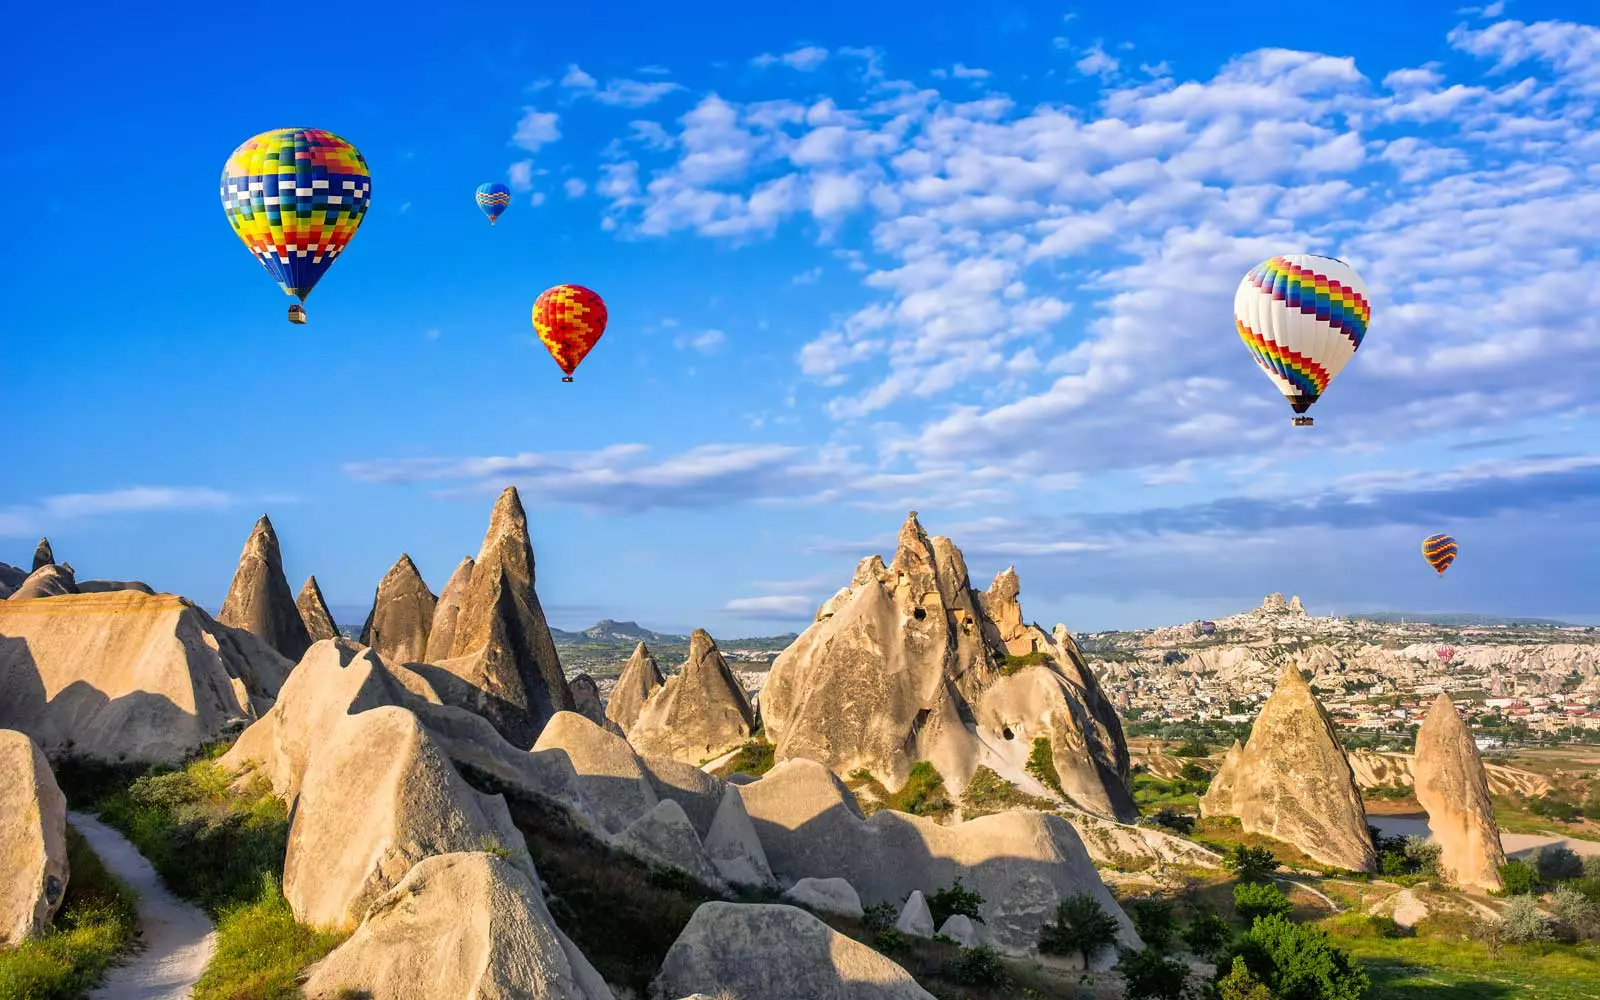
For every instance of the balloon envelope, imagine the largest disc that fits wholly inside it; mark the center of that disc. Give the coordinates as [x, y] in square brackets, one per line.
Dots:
[296, 196]
[569, 320]
[1446, 653]
[493, 199]
[1440, 551]
[1302, 317]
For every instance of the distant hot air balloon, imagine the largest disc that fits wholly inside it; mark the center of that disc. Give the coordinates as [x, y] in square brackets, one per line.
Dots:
[1302, 317]
[570, 320]
[296, 196]
[1446, 653]
[1440, 551]
[1208, 628]
[493, 199]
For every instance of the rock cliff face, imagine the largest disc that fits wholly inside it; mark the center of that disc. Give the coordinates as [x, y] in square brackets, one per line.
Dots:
[129, 676]
[700, 713]
[910, 663]
[33, 840]
[640, 678]
[259, 600]
[1452, 787]
[442, 633]
[502, 649]
[402, 612]
[314, 612]
[49, 580]
[42, 554]
[1292, 782]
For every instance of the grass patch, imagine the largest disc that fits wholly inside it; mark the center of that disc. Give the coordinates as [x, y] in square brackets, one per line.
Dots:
[96, 922]
[1010, 664]
[1221, 833]
[1420, 968]
[1154, 794]
[1042, 765]
[923, 794]
[756, 758]
[988, 793]
[261, 950]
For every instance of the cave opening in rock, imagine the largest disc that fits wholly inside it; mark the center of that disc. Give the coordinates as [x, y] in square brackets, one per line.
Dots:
[919, 614]
[1007, 733]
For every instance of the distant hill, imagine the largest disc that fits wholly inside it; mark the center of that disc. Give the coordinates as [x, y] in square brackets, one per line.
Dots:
[609, 630]
[1457, 620]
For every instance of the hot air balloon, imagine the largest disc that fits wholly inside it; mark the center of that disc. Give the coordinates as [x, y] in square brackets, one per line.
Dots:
[493, 199]
[1302, 317]
[1208, 628]
[1440, 551]
[1445, 653]
[570, 320]
[296, 196]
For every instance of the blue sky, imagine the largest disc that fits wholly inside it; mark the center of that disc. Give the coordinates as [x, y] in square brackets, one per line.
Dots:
[859, 259]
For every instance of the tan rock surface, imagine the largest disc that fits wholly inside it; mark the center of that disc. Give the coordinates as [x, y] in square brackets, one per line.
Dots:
[1292, 782]
[776, 952]
[640, 678]
[43, 555]
[33, 840]
[402, 612]
[1394, 770]
[442, 633]
[464, 926]
[49, 580]
[586, 696]
[1452, 787]
[125, 675]
[701, 712]
[259, 600]
[314, 612]
[502, 649]
[608, 774]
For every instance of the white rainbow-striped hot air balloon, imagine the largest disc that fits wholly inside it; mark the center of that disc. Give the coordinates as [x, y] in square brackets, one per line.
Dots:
[1302, 317]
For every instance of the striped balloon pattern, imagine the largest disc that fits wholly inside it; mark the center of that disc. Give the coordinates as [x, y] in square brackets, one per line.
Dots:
[1440, 551]
[569, 320]
[493, 199]
[1302, 317]
[296, 196]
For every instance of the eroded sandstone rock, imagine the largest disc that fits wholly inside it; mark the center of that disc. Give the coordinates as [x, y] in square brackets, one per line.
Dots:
[259, 600]
[33, 840]
[1452, 787]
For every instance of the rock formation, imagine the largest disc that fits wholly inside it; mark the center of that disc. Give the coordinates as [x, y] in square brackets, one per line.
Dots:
[1452, 787]
[49, 580]
[1394, 770]
[910, 663]
[586, 696]
[640, 678]
[830, 895]
[915, 918]
[769, 951]
[402, 612]
[314, 612]
[1022, 863]
[442, 633]
[259, 600]
[33, 840]
[109, 586]
[458, 925]
[42, 554]
[12, 576]
[129, 676]
[502, 647]
[700, 713]
[1292, 781]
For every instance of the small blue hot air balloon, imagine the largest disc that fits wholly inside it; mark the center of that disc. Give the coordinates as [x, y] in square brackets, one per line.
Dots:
[493, 199]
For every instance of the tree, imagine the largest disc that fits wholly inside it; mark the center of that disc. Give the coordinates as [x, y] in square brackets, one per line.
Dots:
[1207, 931]
[1254, 900]
[1192, 747]
[1080, 927]
[952, 900]
[1297, 962]
[1577, 913]
[1522, 921]
[1490, 933]
[1150, 975]
[1241, 984]
[1557, 863]
[1250, 864]
[1519, 878]
[1155, 921]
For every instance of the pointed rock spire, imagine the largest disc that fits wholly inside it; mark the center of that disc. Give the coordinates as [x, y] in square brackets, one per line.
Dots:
[1293, 782]
[442, 633]
[700, 713]
[502, 644]
[1451, 785]
[402, 612]
[586, 695]
[640, 678]
[314, 612]
[42, 555]
[259, 600]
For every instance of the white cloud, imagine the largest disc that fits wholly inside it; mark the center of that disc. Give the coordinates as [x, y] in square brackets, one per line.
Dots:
[705, 342]
[807, 277]
[805, 59]
[578, 79]
[961, 72]
[575, 187]
[537, 199]
[619, 92]
[1097, 62]
[51, 511]
[536, 129]
[520, 175]
[772, 606]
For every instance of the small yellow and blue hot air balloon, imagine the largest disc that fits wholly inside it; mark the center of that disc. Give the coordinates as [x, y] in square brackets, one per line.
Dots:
[493, 199]
[1440, 551]
[295, 197]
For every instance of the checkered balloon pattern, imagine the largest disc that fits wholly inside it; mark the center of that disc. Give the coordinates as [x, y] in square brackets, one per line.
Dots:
[569, 320]
[493, 199]
[296, 196]
[1302, 317]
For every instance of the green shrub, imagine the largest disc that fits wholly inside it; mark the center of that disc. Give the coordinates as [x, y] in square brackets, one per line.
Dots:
[1554, 807]
[1577, 913]
[1042, 765]
[1011, 664]
[1521, 922]
[1079, 927]
[1179, 823]
[261, 950]
[1155, 921]
[1254, 900]
[1296, 962]
[987, 793]
[953, 899]
[756, 757]
[1192, 772]
[1250, 864]
[1192, 747]
[1151, 975]
[1591, 863]
[878, 916]
[1241, 984]
[1206, 932]
[980, 966]
[97, 919]
[1557, 863]
[1519, 878]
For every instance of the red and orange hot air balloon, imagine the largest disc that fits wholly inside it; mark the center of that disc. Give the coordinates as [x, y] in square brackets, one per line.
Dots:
[1440, 551]
[570, 320]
